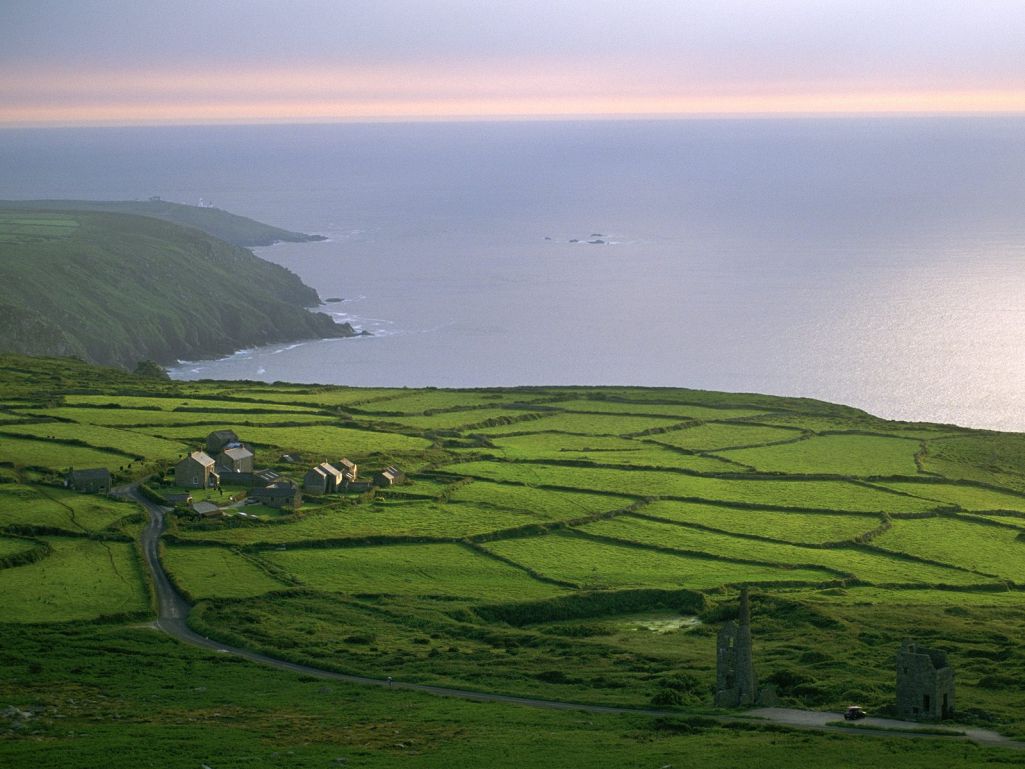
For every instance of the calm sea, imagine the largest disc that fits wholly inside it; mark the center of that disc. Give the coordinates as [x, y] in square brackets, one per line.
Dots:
[878, 263]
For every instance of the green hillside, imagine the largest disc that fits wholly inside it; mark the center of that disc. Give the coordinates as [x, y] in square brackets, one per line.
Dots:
[579, 555]
[118, 288]
[232, 228]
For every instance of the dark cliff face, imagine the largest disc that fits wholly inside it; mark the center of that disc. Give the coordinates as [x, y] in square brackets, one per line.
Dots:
[116, 289]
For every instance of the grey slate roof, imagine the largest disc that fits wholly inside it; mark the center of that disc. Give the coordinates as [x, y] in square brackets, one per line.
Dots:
[90, 474]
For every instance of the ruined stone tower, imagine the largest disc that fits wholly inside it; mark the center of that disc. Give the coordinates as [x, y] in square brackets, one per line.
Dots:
[735, 682]
[925, 684]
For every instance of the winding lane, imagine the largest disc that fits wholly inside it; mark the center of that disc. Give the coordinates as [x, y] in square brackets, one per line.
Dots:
[173, 612]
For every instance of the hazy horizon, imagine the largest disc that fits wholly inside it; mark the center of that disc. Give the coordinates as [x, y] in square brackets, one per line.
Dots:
[114, 62]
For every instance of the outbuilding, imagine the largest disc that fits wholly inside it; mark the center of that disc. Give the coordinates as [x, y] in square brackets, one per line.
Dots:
[236, 460]
[207, 509]
[95, 480]
[278, 495]
[315, 481]
[219, 440]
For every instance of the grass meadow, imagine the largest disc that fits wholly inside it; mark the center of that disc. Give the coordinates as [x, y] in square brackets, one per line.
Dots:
[857, 455]
[142, 418]
[588, 554]
[415, 570]
[795, 527]
[57, 508]
[81, 579]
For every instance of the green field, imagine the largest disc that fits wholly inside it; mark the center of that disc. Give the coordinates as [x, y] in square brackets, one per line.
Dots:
[670, 410]
[814, 494]
[306, 397]
[10, 546]
[545, 504]
[416, 570]
[985, 548]
[142, 418]
[392, 518]
[319, 441]
[800, 528]
[171, 402]
[57, 508]
[81, 579]
[35, 227]
[216, 572]
[966, 497]
[584, 424]
[28, 452]
[421, 401]
[842, 562]
[711, 436]
[590, 556]
[125, 441]
[857, 455]
[599, 449]
[599, 565]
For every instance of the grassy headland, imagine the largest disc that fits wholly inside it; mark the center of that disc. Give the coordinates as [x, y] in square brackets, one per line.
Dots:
[232, 228]
[118, 288]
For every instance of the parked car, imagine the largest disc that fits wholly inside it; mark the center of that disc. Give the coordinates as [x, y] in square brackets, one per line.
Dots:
[854, 713]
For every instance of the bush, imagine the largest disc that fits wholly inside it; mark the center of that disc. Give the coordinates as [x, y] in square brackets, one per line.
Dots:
[360, 638]
[667, 698]
[553, 677]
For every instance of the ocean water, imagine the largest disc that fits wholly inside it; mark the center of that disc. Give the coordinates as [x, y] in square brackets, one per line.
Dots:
[877, 263]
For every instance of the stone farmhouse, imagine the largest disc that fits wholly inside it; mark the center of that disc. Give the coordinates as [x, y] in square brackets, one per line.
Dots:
[327, 478]
[225, 459]
[197, 471]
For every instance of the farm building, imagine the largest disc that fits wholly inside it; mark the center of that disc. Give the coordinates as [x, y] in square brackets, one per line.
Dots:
[325, 478]
[236, 460]
[207, 509]
[315, 481]
[219, 440]
[93, 480]
[348, 468]
[280, 494]
[389, 476]
[196, 471]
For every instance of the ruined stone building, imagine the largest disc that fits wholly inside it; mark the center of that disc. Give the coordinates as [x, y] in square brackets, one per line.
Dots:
[735, 682]
[925, 684]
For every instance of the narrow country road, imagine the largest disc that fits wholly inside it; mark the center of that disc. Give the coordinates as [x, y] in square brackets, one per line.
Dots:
[173, 611]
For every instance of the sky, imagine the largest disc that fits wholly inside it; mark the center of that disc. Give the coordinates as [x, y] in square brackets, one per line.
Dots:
[122, 62]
